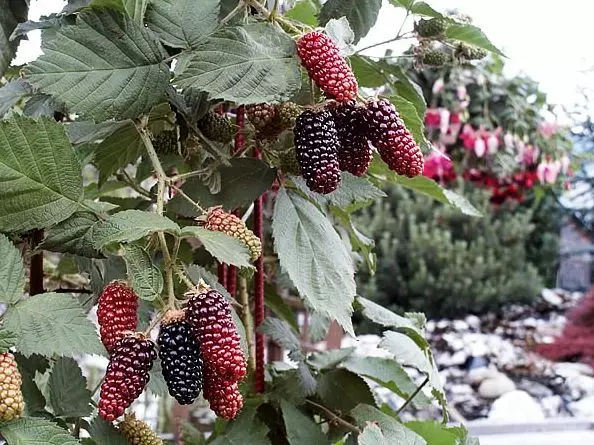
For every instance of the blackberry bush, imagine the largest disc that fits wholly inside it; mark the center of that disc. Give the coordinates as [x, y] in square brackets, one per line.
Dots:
[180, 358]
[316, 148]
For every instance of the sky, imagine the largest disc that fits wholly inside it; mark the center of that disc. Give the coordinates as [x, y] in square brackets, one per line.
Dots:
[549, 41]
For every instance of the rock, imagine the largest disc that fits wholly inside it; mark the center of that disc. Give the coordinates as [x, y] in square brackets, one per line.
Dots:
[567, 369]
[460, 390]
[496, 386]
[477, 362]
[477, 375]
[583, 383]
[551, 297]
[516, 407]
[552, 405]
[535, 389]
[460, 325]
[459, 358]
[474, 322]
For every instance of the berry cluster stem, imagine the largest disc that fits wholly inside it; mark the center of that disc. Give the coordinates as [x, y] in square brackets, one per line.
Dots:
[246, 319]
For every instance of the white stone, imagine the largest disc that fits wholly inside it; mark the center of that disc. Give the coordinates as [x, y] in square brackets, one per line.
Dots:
[461, 389]
[567, 369]
[551, 405]
[494, 387]
[460, 325]
[442, 324]
[477, 375]
[459, 358]
[516, 407]
[583, 407]
[583, 383]
[473, 321]
[551, 297]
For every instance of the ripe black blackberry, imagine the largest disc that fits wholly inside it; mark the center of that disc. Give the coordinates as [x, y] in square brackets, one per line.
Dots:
[127, 374]
[166, 142]
[180, 358]
[316, 147]
[355, 153]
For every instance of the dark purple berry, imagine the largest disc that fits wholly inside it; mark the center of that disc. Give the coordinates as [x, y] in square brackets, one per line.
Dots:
[355, 153]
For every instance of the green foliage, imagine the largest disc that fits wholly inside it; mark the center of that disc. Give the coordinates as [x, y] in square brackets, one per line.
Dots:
[433, 259]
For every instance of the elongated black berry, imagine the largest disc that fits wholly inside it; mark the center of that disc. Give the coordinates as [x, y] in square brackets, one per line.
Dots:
[180, 359]
[316, 147]
[355, 153]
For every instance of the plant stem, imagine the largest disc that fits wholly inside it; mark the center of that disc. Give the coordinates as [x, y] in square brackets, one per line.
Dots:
[333, 417]
[413, 395]
[240, 5]
[399, 35]
[182, 276]
[183, 176]
[246, 318]
[187, 198]
[273, 13]
[125, 178]
[262, 10]
[161, 180]
[154, 323]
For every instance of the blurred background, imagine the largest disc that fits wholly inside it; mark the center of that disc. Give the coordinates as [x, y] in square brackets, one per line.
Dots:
[508, 296]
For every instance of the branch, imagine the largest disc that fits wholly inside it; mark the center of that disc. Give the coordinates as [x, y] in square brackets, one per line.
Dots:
[246, 318]
[413, 395]
[332, 417]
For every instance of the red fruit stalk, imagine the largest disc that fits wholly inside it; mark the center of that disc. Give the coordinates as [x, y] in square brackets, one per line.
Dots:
[392, 139]
[209, 316]
[127, 375]
[321, 57]
[117, 312]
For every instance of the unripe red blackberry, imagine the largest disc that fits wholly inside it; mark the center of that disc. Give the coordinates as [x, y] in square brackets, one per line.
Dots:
[138, 432]
[224, 398]
[117, 312]
[216, 127]
[180, 358]
[261, 115]
[355, 153]
[11, 397]
[392, 139]
[209, 316]
[165, 142]
[321, 57]
[220, 221]
[316, 147]
[127, 375]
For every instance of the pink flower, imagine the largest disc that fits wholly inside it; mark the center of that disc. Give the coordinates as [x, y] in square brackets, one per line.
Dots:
[432, 117]
[548, 171]
[438, 166]
[438, 86]
[548, 129]
[492, 144]
[461, 92]
[480, 147]
[444, 116]
[508, 140]
[565, 164]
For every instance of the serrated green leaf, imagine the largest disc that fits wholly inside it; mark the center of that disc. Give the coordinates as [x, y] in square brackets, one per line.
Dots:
[323, 270]
[12, 92]
[361, 14]
[101, 77]
[197, 273]
[7, 340]
[301, 429]
[35, 431]
[157, 384]
[131, 225]
[225, 248]
[40, 104]
[68, 393]
[368, 72]
[250, 64]
[372, 435]
[41, 175]
[423, 8]
[405, 88]
[73, 235]
[332, 385]
[12, 272]
[13, 12]
[85, 132]
[121, 148]
[304, 11]
[183, 23]
[52, 323]
[104, 433]
[241, 183]
[380, 315]
[389, 374]
[329, 359]
[471, 34]
[282, 334]
[411, 118]
[435, 433]
[245, 429]
[34, 399]
[144, 276]
[394, 431]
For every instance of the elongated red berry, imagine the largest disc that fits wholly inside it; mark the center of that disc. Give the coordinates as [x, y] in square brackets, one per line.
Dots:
[117, 312]
[321, 57]
[180, 356]
[209, 315]
[392, 139]
[316, 147]
[220, 221]
[355, 153]
[127, 375]
[224, 398]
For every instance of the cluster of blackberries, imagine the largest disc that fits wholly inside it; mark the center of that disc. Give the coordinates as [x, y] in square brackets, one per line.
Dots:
[341, 137]
[198, 346]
